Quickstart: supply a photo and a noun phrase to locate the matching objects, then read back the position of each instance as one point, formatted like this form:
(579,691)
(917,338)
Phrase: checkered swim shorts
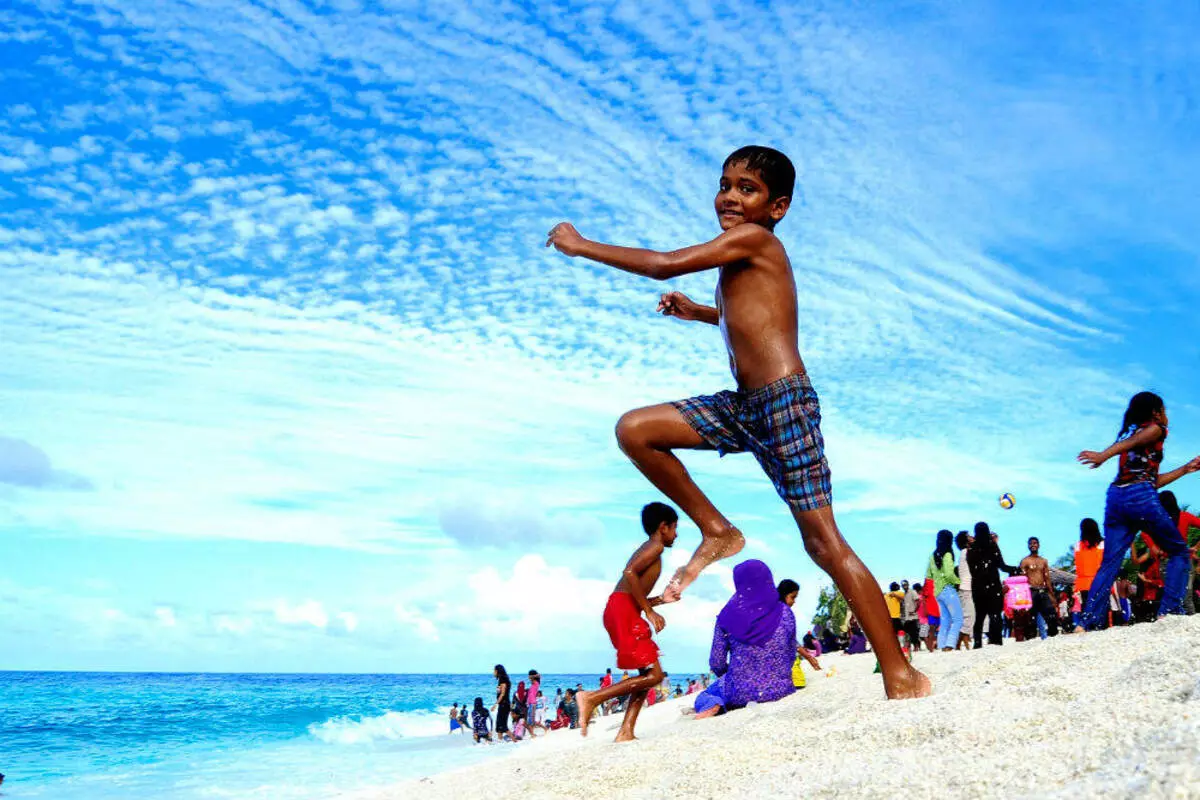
(779,423)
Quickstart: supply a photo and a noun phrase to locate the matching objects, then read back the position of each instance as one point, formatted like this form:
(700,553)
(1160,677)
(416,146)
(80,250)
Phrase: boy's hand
(1193,465)
(656,619)
(678,305)
(1090,459)
(565,239)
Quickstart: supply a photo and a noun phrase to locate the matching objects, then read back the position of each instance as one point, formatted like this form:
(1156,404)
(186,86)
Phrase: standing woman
(1088,555)
(503,709)
(945,589)
(1132,504)
(985,561)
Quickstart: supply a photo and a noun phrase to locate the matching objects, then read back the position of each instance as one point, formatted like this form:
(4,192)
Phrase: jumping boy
(774,413)
(629,633)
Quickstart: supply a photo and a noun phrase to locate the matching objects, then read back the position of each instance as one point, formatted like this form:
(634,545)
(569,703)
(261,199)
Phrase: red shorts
(630,634)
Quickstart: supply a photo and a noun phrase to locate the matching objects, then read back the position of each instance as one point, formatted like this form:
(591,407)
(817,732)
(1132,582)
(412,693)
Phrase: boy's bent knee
(629,431)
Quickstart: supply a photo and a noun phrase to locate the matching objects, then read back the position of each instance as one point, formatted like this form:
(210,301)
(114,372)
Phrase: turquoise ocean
(101,736)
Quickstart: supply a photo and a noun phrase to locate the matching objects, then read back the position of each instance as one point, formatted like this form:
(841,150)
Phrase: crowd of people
(957,600)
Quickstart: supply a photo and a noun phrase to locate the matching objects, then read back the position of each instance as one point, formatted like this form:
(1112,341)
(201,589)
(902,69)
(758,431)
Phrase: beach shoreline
(1111,714)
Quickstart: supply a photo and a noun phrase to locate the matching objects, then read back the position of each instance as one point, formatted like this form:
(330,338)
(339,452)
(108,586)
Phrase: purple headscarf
(753,613)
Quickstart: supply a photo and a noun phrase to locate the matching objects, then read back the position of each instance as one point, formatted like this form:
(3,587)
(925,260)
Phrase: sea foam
(389,726)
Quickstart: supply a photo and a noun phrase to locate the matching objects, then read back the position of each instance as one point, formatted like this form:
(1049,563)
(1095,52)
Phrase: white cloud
(310,612)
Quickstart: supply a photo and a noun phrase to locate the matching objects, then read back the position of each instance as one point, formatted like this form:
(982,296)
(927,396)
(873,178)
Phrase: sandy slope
(1112,714)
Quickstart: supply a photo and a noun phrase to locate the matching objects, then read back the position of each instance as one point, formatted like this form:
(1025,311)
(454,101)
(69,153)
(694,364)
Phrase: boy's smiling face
(743,197)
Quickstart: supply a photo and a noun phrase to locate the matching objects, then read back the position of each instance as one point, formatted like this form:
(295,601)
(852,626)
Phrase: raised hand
(1193,465)
(565,239)
(656,620)
(678,305)
(1090,459)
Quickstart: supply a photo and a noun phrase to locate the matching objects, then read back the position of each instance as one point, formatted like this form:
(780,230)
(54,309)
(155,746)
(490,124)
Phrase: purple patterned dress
(756,673)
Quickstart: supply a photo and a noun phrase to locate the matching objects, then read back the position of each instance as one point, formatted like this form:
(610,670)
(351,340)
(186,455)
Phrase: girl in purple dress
(754,641)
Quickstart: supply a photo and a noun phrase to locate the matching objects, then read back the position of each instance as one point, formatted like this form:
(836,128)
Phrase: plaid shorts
(779,423)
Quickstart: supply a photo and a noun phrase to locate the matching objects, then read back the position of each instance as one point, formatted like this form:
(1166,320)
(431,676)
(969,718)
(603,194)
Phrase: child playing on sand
(629,633)
(1133,505)
(774,413)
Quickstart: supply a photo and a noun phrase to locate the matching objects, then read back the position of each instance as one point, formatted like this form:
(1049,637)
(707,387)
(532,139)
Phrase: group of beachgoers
(952,606)
(518,712)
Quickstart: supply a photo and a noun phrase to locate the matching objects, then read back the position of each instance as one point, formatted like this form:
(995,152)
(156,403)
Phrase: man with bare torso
(774,413)
(1037,570)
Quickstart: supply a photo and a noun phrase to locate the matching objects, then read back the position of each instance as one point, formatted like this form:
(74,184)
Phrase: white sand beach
(1109,714)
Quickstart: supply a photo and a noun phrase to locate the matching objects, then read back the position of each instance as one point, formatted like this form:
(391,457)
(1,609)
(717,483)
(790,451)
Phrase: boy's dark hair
(655,514)
(982,531)
(961,540)
(1142,406)
(775,168)
(787,586)
(895,587)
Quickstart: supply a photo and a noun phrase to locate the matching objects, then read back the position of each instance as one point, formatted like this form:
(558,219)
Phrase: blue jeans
(952,617)
(1129,510)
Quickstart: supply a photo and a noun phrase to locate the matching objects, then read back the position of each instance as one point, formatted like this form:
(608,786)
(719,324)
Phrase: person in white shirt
(964,541)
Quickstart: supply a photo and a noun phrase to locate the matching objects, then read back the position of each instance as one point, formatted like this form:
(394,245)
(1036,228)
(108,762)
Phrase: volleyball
(1007,500)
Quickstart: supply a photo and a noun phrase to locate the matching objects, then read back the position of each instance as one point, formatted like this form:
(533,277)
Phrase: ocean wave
(390,726)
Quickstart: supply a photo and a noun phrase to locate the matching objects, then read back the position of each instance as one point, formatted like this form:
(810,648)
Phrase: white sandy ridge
(1109,714)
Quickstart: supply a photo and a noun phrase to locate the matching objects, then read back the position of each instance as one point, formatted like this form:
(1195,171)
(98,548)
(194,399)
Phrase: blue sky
(289,382)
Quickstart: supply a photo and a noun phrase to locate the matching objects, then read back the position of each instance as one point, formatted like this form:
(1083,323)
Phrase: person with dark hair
(502,706)
(1132,504)
(895,604)
(985,562)
(774,413)
(629,633)
(910,616)
(1037,571)
(965,599)
(945,589)
(788,591)
(1185,521)
(480,717)
(1089,552)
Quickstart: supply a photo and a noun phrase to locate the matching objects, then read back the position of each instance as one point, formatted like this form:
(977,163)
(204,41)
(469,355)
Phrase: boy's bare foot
(586,706)
(623,736)
(908,686)
(1079,629)
(713,547)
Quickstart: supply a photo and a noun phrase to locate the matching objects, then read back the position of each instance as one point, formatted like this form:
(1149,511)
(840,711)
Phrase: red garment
(651,697)
(930,600)
(606,681)
(1187,521)
(1152,579)
(629,633)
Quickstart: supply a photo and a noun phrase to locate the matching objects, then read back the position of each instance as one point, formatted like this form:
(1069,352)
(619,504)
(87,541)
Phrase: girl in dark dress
(985,562)
(503,709)
(479,721)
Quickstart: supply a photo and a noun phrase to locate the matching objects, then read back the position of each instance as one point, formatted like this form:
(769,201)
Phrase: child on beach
(480,719)
(1132,504)
(774,413)
(629,633)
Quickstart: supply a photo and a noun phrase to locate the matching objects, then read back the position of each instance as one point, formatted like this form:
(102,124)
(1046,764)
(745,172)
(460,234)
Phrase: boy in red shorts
(773,414)
(629,633)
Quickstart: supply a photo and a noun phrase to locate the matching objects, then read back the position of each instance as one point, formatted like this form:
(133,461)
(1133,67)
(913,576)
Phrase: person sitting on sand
(630,634)
(858,642)
(754,639)
(481,721)
(789,590)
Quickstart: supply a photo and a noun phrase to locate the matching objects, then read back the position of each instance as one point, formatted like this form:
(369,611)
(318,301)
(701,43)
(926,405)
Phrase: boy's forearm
(708,314)
(639,261)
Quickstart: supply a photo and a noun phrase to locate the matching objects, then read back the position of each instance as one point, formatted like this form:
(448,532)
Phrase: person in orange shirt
(1089,552)
(1185,521)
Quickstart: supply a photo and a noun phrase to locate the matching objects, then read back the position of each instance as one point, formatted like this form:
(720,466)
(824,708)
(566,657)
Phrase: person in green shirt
(945,589)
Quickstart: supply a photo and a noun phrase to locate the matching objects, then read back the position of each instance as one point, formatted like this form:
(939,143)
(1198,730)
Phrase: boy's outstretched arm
(735,244)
